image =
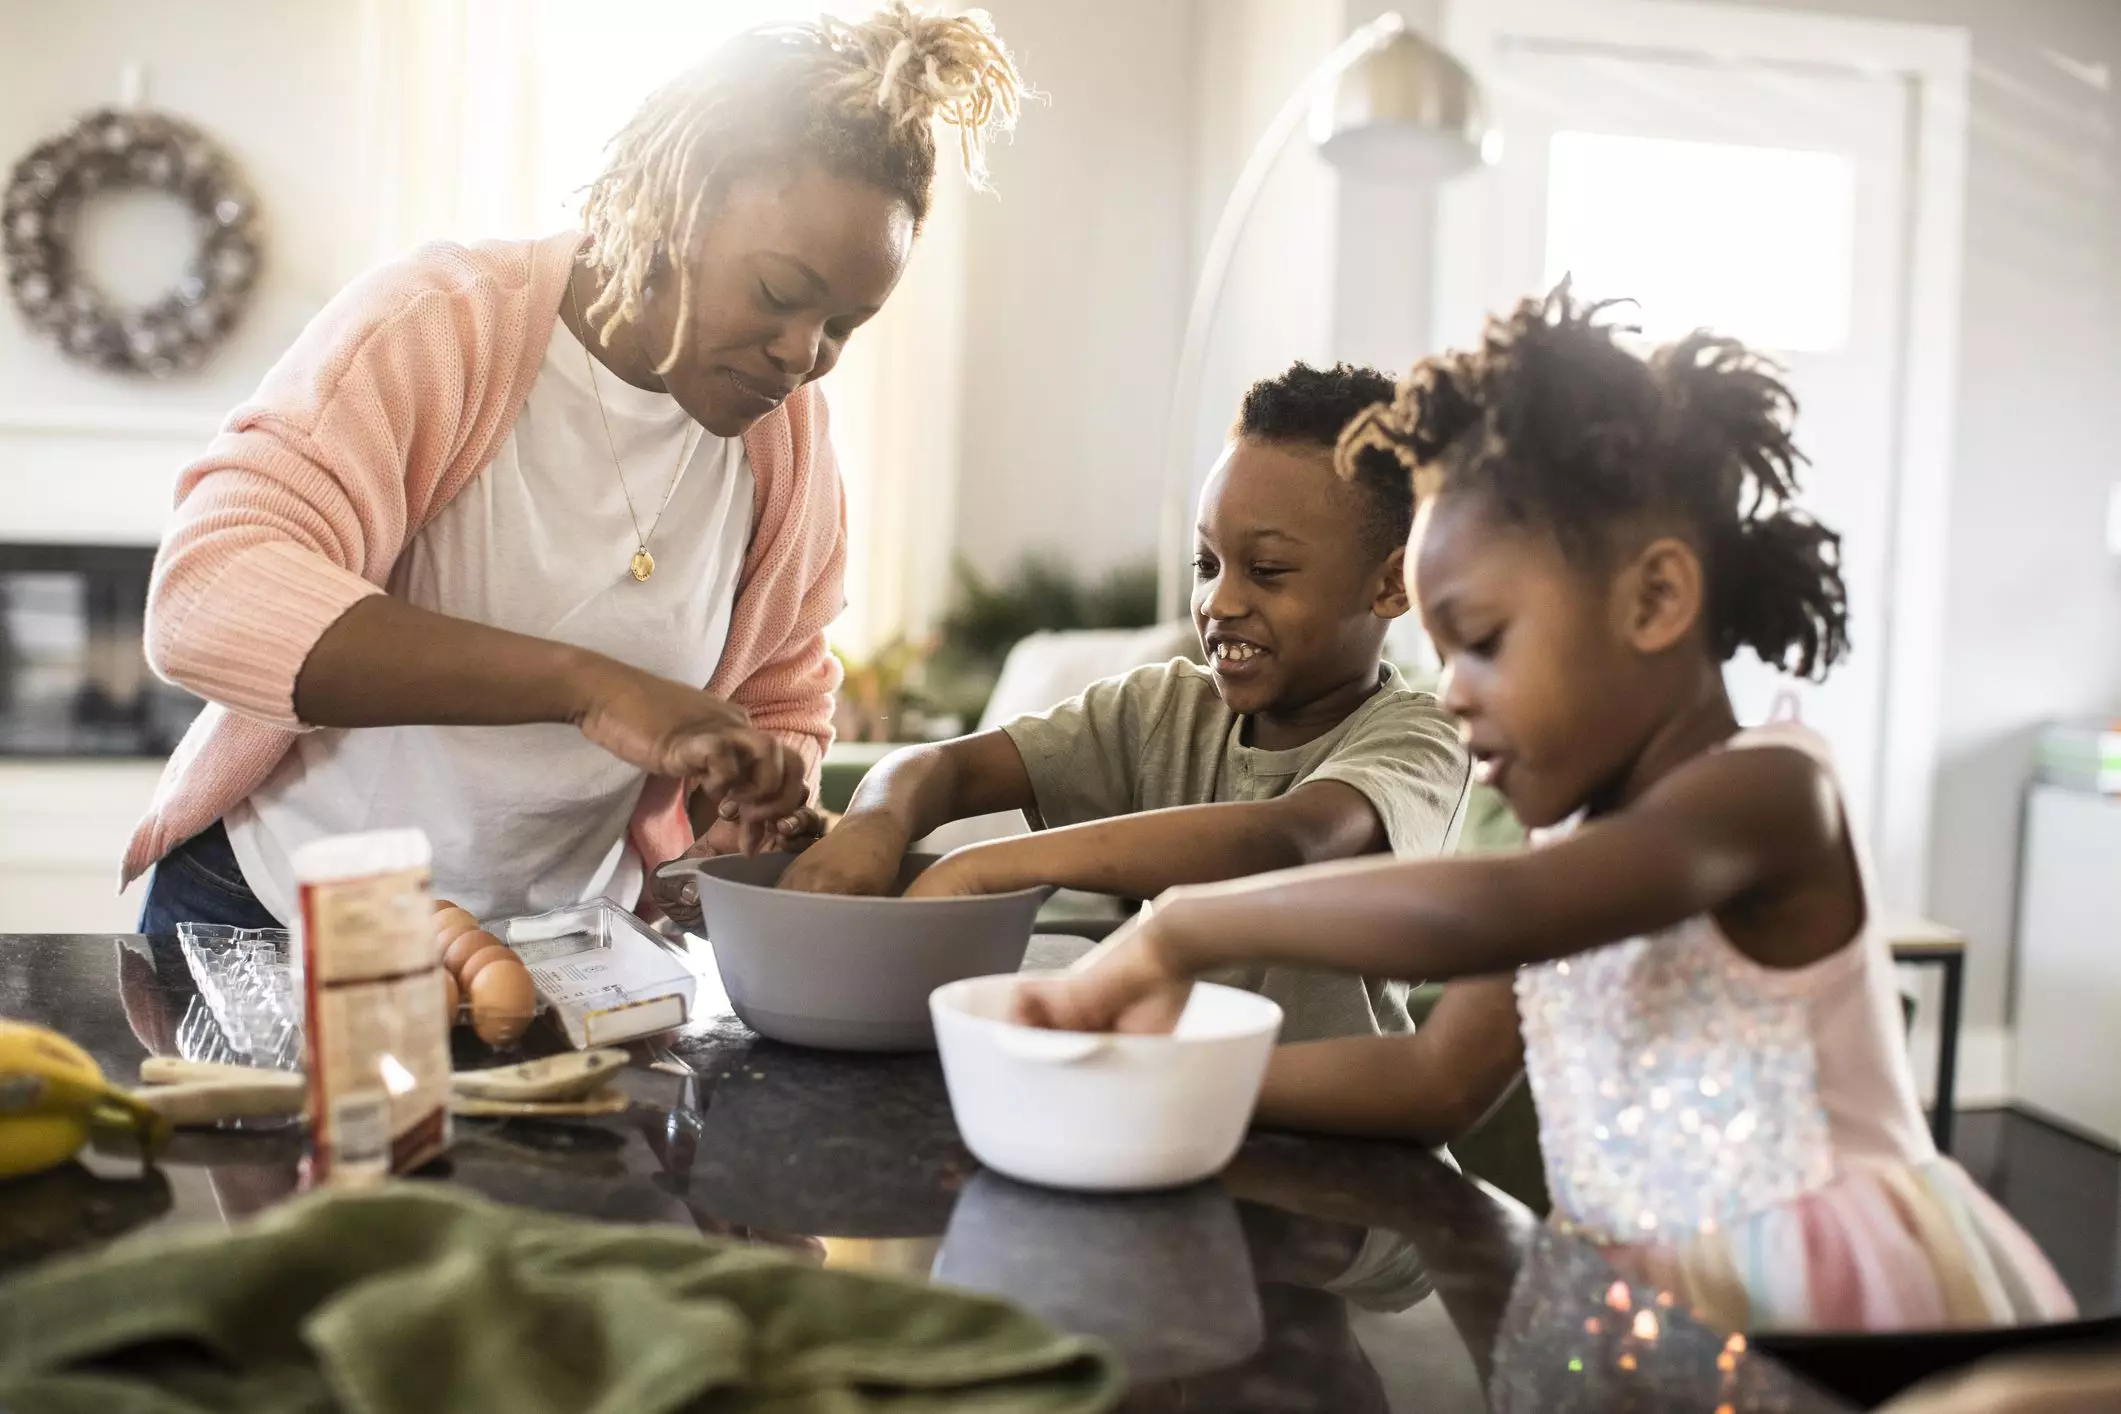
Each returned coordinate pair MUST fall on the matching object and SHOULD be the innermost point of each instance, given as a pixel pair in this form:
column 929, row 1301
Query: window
column 1754, row 242
column 594, row 61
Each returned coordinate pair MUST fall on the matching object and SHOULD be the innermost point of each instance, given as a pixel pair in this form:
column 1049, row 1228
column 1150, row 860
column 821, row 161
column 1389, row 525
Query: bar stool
column 1919, row 942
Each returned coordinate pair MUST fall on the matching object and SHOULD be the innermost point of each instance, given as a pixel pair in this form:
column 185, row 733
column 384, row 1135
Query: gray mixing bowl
column 849, row 974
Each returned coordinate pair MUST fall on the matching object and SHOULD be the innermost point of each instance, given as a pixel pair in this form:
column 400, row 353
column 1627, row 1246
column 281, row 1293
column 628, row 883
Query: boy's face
column 1291, row 597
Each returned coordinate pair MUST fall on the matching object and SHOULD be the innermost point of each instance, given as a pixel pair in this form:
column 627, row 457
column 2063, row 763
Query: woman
column 459, row 561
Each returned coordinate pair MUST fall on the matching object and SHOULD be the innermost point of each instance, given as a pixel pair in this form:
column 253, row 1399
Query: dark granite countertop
column 1298, row 1281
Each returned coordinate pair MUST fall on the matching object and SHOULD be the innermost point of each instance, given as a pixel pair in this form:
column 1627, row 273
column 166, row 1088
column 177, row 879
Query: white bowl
column 1103, row 1113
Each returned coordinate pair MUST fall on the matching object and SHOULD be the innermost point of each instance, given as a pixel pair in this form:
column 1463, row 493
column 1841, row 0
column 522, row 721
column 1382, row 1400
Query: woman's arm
column 910, row 794
column 267, row 593
column 1140, row 856
column 302, row 504
column 1428, row 1088
column 389, row 663
column 1715, row 829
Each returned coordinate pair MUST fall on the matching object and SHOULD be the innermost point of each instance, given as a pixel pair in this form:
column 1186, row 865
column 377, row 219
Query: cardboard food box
column 607, row 975
column 375, row 1036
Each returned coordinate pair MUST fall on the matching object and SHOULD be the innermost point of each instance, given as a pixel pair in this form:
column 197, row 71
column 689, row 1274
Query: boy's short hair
column 1309, row 406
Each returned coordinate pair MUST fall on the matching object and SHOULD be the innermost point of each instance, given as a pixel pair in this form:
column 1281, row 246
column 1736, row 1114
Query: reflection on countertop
column 1314, row 1275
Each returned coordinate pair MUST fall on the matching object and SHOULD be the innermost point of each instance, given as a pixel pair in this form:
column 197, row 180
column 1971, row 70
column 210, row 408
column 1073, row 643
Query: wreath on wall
column 113, row 148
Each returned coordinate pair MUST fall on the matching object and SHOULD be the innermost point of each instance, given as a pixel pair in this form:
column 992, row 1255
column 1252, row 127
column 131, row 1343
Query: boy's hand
column 1128, row 983
column 859, row 856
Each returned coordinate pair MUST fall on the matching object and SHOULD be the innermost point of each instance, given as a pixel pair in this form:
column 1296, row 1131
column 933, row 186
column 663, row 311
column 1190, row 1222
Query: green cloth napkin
column 415, row 1297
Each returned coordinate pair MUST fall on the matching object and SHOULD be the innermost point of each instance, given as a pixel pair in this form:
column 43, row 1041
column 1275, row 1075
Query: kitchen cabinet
column 2068, row 1024
column 64, row 825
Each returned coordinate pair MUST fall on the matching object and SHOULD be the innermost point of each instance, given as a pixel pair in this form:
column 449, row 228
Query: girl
column 1707, row 1011
column 502, row 510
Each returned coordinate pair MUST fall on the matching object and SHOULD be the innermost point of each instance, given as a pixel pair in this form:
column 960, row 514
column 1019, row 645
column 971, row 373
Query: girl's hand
column 861, row 855
column 1129, row 983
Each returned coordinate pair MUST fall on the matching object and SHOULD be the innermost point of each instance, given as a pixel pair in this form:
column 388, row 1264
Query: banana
column 33, row 1048
column 51, row 1094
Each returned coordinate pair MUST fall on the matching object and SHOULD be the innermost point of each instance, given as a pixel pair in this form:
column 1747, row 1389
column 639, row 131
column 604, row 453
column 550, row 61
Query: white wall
column 86, row 455
column 1278, row 303
column 1385, row 246
column 1134, row 159
column 1074, row 294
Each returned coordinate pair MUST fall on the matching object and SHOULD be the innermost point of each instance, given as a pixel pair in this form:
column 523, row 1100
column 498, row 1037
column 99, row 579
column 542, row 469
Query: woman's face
column 794, row 262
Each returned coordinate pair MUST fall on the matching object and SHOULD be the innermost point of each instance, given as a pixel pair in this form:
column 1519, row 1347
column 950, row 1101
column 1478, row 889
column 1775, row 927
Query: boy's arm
column 905, row 796
column 1139, row 856
column 1428, row 1088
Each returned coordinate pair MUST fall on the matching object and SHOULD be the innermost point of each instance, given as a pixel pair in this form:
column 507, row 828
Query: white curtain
column 486, row 118
column 451, row 124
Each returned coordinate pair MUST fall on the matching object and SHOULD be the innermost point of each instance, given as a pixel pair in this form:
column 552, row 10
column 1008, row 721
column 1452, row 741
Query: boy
column 1295, row 744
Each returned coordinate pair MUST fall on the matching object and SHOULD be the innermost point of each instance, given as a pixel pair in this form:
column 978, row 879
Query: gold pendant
column 643, row 563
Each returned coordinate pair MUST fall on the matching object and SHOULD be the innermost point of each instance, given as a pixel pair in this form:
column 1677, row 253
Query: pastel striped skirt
column 1881, row 1248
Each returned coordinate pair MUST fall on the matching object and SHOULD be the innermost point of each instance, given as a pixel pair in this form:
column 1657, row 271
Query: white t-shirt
column 528, row 818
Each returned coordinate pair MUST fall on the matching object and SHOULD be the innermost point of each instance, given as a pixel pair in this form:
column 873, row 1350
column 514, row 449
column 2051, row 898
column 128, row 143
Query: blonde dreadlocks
column 862, row 98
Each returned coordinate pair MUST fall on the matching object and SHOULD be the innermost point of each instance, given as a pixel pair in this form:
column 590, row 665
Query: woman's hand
column 1128, row 983
column 669, row 729
column 861, row 855
column 736, row 831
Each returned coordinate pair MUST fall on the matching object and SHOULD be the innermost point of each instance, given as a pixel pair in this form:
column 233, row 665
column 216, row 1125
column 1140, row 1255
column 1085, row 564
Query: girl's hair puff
column 1560, row 425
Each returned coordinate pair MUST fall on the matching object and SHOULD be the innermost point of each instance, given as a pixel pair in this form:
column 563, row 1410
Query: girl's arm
column 1713, row 830
column 1428, row 1088
column 1140, row 856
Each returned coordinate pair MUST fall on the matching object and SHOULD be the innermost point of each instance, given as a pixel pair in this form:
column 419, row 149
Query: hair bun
column 920, row 67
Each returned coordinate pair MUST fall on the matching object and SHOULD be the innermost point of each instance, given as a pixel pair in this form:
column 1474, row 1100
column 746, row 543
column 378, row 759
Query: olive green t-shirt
column 1161, row 736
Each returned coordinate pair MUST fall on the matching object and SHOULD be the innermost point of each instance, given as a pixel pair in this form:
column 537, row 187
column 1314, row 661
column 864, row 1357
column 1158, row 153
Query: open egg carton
column 248, row 1010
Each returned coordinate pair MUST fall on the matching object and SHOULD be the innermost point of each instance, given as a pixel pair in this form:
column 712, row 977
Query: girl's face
column 795, row 261
column 1552, row 698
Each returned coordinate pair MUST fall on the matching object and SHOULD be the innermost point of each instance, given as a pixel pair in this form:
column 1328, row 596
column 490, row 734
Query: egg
column 482, row 959
column 454, row 996
column 503, row 1000
column 463, row 947
column 451, row 921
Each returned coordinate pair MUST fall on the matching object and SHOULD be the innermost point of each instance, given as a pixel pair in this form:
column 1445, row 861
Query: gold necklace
column 643, row 564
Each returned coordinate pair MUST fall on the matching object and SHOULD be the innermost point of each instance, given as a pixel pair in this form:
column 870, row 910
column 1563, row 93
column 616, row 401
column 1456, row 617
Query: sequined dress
column 1748, row 1138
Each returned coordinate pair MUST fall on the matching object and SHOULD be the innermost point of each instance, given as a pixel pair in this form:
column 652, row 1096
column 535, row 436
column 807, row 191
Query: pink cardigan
column 390, row 402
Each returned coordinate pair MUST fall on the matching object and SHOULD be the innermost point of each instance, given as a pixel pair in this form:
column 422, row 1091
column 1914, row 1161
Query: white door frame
column 1935, row 62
